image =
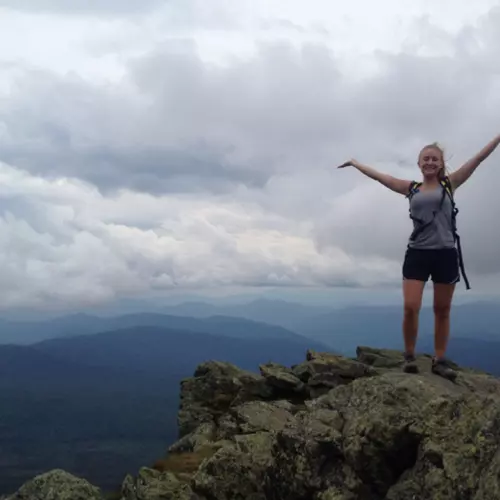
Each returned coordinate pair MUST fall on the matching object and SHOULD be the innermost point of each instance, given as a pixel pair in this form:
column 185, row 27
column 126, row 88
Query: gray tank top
column 439, row 233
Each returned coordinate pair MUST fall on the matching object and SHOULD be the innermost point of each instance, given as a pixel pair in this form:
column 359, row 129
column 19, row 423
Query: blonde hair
column 437, row 147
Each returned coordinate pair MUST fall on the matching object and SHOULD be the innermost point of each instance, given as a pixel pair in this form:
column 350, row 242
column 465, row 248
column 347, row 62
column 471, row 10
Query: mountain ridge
column 80, row 324
column 341, row 328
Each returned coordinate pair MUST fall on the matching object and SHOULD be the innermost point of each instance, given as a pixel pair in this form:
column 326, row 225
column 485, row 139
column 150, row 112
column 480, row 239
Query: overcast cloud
column 134, row 161
column 78, row 7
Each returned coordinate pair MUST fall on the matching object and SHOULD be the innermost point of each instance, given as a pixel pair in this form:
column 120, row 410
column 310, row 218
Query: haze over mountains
column 26, row 332
column 340, row 328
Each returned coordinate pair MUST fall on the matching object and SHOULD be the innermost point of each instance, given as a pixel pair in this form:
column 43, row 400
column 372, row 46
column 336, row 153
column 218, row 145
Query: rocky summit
column 330, row 428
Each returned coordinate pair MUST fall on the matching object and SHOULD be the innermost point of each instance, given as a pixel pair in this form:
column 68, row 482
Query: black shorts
column 439, row 264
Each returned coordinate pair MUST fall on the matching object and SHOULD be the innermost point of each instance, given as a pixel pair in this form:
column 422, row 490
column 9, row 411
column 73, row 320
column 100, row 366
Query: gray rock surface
column 57, row 485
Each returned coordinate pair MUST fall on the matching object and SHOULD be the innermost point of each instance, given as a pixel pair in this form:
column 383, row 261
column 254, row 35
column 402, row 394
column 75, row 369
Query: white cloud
column 61, row 241
column 192, row 165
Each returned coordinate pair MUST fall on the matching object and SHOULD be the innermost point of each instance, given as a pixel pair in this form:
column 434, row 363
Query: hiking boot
column 442, row 368
column 410, row 364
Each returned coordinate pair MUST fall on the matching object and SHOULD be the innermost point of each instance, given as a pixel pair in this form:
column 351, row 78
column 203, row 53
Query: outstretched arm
column 458, row 177
column 400, row 186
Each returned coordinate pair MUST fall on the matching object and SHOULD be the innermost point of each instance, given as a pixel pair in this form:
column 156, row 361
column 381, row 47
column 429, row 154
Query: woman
column 431, row 248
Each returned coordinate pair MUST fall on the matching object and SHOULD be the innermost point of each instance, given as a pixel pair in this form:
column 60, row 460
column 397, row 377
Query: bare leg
column 412, row 292
column 443, row 295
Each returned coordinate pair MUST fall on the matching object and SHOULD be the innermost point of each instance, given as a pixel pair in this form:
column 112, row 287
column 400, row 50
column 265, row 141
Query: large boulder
column 213, row 389
column 57, row 485
column 282, row 378
column 236, row 471
column 254, row 416
column 324, row 371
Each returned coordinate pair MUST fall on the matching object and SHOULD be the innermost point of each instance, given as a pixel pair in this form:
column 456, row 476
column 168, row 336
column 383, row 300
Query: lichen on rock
column 57, row 484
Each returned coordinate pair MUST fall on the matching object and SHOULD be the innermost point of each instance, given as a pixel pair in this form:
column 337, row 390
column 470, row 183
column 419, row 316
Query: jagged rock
column 298, row 457
column 378, row 443
column 459, row 450
column 236, row 472
column 200, row 436
column 253, row 416
column 324, row 371
column 213, row 389
column 346, row 368
column 281, row 377
column 258, row 443
column 151, row 484
column 382, row 358
column 57, row 485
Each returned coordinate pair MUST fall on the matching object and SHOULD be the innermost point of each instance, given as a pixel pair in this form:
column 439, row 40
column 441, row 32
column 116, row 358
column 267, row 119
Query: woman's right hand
column 350, row 163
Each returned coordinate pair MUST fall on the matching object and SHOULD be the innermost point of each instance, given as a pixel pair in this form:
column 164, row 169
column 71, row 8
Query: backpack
column 420, row 226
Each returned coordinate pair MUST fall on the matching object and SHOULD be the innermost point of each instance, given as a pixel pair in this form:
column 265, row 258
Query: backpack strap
column 412, row 190
column 414, row 187
column 448, row 189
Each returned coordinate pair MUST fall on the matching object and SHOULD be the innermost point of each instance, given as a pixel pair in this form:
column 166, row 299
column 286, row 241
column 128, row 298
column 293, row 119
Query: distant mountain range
column 341, row 329
column 28, row 332
column 104, row 404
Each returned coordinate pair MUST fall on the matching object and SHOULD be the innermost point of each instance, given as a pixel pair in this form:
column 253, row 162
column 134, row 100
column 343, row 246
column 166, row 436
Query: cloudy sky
column 153, row 148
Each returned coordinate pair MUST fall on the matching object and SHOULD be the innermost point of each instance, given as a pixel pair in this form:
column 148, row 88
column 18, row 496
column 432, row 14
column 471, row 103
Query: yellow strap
column 446, row 186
